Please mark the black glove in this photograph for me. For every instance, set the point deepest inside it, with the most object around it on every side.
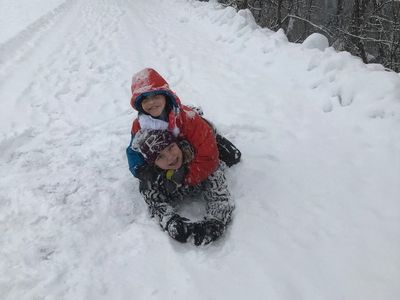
(178, 228)
(207, 231)
(174, 179)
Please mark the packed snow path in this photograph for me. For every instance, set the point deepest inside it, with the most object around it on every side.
(317, 193)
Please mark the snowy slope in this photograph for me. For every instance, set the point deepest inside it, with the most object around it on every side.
(24, 15)
(317, 193)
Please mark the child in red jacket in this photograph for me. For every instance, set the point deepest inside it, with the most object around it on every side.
(160, 109)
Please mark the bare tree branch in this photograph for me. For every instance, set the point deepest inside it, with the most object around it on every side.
(321, 28)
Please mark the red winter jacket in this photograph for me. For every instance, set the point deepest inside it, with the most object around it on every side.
(191, 126)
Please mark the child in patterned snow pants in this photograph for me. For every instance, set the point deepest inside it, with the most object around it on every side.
(164, 188)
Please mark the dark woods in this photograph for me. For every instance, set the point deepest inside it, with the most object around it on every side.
(369, 29)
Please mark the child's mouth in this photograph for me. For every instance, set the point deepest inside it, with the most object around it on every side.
(174, 163)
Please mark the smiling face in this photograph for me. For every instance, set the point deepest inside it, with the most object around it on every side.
(170, 158)
(154, 105)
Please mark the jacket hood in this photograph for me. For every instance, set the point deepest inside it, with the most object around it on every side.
(149, 82)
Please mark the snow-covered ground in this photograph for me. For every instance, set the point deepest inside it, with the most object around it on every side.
(317, 193)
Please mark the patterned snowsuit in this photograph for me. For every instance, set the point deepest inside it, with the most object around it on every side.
(214, 190)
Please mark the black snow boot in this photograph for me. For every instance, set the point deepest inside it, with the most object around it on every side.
(228, 153)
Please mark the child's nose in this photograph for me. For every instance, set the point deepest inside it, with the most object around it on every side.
(170, 157)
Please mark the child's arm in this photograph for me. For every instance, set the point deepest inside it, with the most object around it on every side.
(135, 159)
(219, 209)
(157, 202)
(219, 201)
(201, 136)
(159, 207)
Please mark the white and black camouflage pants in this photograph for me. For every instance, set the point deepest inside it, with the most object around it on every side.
(219, 203)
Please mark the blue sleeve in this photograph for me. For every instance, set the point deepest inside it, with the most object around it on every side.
(135, 159)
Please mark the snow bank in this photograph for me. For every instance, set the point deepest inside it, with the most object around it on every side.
(338, 77)
(316, 41)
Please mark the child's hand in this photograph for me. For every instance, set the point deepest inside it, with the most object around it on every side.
(207, 231)
(179, 228)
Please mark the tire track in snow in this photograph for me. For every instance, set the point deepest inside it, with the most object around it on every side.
(15, 49)
(72, 73)
(68, 166)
